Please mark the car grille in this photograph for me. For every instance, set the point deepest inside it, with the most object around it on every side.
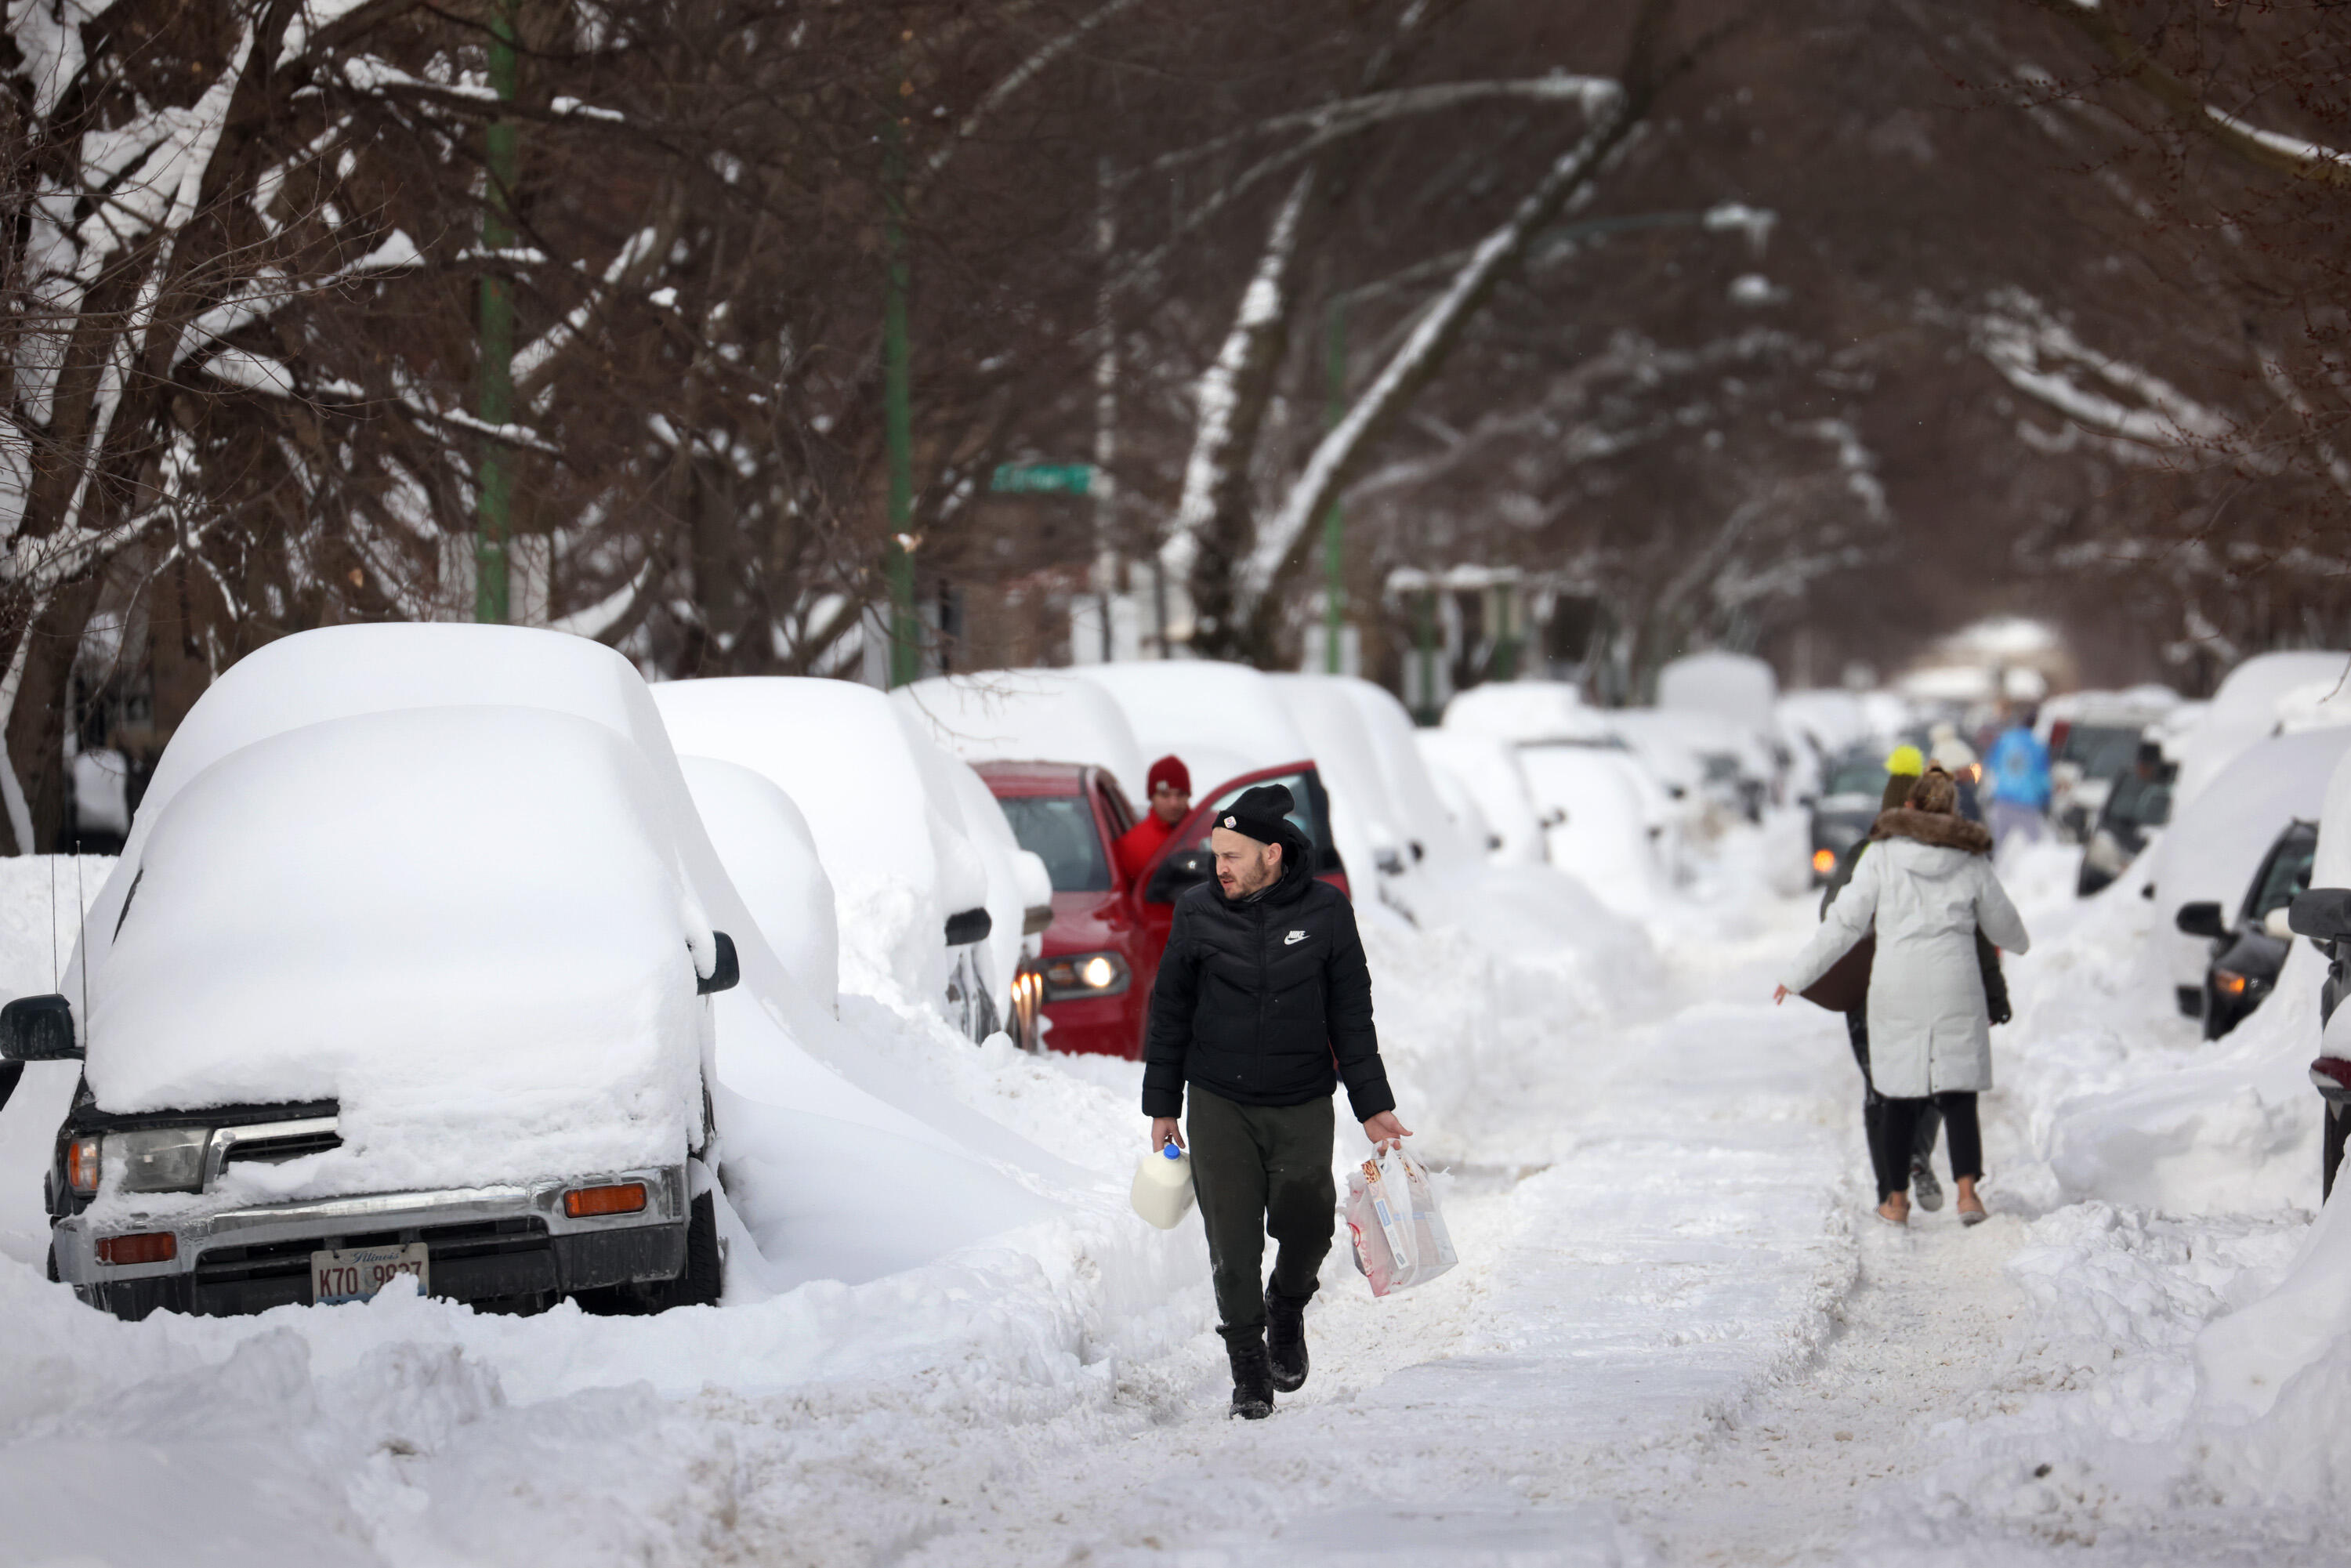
(276, 1151)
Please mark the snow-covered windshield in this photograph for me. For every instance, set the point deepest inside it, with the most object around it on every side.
(1060, 830)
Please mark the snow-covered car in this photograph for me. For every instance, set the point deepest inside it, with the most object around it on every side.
(401, 993)
(933, 893)
(1485, 794)
(1624, 843)
(2219, 841)
(2250, 942)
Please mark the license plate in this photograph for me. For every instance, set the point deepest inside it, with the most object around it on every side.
(355, 1273)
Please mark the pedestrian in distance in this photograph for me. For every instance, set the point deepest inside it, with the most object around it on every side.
(1262, 1005)
(1903, 767)
(1170, 783)
(1927, 888)
(2018, 772)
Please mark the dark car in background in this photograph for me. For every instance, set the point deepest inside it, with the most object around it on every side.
(2086, 759)
(1851, 790)
(1101, 951)
(2139, 803)
(2248, 952)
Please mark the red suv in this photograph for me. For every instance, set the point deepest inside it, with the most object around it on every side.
(1103, 949)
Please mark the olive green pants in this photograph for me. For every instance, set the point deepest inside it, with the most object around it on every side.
(1261, 1170)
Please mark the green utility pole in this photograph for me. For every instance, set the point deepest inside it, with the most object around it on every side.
(1425, 615)
(898, 412)
(495, 396)
(1335, 352)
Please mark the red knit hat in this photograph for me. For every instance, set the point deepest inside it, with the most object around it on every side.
(1170, 770)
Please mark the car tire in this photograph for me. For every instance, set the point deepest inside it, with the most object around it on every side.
(2331, 1134)
(705, 1268)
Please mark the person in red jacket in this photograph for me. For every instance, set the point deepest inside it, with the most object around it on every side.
(1170, 784)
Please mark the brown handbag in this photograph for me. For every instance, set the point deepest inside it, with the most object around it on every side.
(1845, 988)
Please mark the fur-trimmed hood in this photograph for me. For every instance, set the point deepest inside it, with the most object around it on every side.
(1936, 828)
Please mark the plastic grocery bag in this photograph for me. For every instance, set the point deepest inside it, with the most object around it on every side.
(1399, 1235)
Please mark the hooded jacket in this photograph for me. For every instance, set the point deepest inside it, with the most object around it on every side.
(1926, 887)
(1266, 1001)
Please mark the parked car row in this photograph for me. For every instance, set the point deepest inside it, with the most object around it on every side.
(414, 960)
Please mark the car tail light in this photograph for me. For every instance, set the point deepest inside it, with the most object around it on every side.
(1071, 976)
(2228, 982)
(2333, 1068)
(1824, 861)
(81, 1164)
(147, 1247)
(586, 1202)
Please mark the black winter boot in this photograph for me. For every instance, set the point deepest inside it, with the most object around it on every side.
(1285, 1339)
(1252, 1377)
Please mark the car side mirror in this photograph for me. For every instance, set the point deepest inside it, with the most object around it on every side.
(38, 1029)
(966, 927)
(725, 972)
(2201, 920)
(2323, 912)
(1178, 873)
(2278, 922)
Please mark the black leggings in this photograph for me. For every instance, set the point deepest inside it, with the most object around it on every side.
(1894, 1137)
(1872, 1104)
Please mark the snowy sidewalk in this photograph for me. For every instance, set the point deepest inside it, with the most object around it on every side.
(1687, 1245)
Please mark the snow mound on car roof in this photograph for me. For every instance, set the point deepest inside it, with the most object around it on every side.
(886, 817)
(1029, 715)
(358, 911)
(1222, 719)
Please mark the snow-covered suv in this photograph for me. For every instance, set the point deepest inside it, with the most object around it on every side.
(385, 986)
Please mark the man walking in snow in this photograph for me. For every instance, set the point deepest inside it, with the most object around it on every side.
(1170, 783)
(1262, 1004)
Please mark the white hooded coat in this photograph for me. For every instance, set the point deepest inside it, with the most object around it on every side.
(1928, 1033)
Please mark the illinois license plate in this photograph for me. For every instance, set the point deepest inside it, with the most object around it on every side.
(355, 1273)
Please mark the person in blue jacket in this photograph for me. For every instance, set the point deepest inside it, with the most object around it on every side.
(2018, 772)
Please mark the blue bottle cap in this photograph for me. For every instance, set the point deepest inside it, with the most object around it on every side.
(1169, 1151)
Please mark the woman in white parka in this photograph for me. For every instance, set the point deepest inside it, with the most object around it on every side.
(1926, 886)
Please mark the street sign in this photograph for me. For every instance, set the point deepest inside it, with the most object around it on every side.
(1042, 479)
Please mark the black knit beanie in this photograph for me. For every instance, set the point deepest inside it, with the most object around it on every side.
(1260, 813)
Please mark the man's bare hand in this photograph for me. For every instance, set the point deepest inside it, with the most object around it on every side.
(1386, 1132)
(1163, 1132)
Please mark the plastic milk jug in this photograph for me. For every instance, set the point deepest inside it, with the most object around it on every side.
(1162, 1186)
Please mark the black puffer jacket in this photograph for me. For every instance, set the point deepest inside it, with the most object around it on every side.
(1256, 1001)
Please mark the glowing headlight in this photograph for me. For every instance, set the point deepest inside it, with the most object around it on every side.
(1824, 861)
(1071, 976)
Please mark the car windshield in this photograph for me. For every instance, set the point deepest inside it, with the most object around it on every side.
(1060, 830)
(1858, 776)
(2101, 751)
(2288, 871)
(2139, 801)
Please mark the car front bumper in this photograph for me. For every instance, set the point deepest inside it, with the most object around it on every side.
(503, 1242)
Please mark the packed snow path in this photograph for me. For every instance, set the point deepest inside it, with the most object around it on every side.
(1655, 1271)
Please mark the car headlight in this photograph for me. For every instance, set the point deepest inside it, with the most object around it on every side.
(1824, 861)
(1071, 976)
(162, 1159)
(2230, 983)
